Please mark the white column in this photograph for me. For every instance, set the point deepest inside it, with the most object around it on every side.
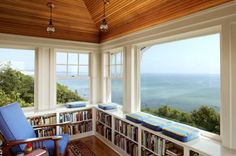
(52, 79)
(43, 70)
(129, 80)
(94, 75)
(233, 83)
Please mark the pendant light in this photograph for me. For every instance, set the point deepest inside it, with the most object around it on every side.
(50, 28)
(104, 25)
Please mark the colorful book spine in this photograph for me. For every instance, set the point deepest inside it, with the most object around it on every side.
(126, 145)
(127, 129)
(75, 116)
(104, 118)
(42, 120)
(104, 131)
(159, 146)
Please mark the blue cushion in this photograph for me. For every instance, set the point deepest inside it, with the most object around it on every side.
(107, 106)
(181, 132)
(62, 144)
(156, 123)
(14, 125)
(76, 104)
(137, 117)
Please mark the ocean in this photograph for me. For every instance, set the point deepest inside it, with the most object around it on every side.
(185, 92)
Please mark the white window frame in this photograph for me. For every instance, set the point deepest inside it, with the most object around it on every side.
(109, 76)
(188, 35)
(27, 109)
(77, 77)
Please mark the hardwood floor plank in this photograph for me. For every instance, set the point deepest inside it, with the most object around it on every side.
(98, 146)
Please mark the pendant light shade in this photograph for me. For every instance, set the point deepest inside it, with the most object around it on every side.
(50, 28)
(104, 26)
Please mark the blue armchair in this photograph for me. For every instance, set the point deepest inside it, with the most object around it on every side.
(17, 132)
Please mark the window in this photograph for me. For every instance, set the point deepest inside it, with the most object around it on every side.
(116, 77)
(72, 71)
(17, 68)
(180, 81)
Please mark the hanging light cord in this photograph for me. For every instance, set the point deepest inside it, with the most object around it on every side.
(51, 13)
(104, 7)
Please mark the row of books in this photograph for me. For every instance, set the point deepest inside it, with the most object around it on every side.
(126, 129)
(160, 146)
(104, 118)
(127, 145)
(75, 116)
(145, 152)
(103, 130)
(78, 128)
(46, 131)
(42, 120)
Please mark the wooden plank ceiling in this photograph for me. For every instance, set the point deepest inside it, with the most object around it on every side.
(79, 19)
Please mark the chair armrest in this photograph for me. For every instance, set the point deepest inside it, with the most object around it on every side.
(9, 144)
(52, 125)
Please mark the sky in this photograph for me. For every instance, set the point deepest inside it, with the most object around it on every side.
(200, 55)
(19, 59)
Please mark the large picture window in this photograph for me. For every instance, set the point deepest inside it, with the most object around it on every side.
(72, 71)
(17, 68)
(180, 81)
(116, 77)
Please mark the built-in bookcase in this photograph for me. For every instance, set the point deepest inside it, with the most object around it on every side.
(43, 119)
(104, 124)
(122, 135)
(155, 145)
(126, 137)
(46, 119)
(80, 122)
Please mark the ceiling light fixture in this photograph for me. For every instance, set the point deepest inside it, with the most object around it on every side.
(104, 25)
(50, 28)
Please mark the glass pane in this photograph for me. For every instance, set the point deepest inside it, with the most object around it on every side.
(73, 58)
(72, 90)
(181, 81)
(117, 91)
(83, 70)
(113, 71)
(61, 70)
(119, 58)
(61, 58)
(113, 59)
(83, 59)
(17, 76)
(118, 71)
(72, 71)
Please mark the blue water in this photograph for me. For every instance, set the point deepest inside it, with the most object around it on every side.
(185, 92)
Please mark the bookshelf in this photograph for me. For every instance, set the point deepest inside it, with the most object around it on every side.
(104, 124)
(126, 137)
(81, 122)
(158, 146)
(45, 119)
(112, 128)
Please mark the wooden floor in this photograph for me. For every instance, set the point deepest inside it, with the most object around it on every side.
(98, 146)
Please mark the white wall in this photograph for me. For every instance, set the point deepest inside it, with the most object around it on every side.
(219, 19)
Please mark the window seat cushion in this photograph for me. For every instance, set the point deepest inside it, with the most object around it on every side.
(156, 123)
(137, 117)
(107, 106)
(181, 132)
(76, 104)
